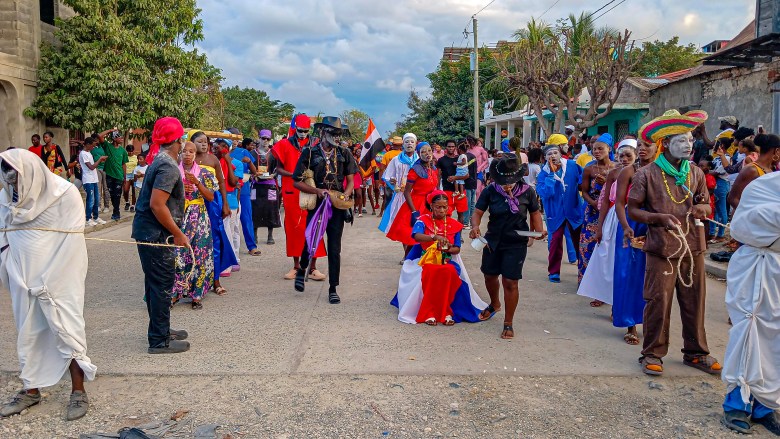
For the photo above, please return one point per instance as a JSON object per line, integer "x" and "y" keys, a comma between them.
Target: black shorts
{"x": 505, "y": 262}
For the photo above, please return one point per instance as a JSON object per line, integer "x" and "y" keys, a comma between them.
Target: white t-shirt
{"x": 87, "y": 175}
{"x": 140, "y": 170}
{"x": 533, "y": 172}
{"x": 463, "y": 158}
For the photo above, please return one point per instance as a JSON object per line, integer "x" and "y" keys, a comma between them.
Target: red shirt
{"x": 224, "y": 165}
{"x": 37, "y": 150}
{"x": 287, "y": 155}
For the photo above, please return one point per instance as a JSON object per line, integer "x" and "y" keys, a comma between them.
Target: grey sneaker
{"x": 78, "y": 406}
{"x": 178, "y": 334}
{"x": 172, "y": 347}
{"x": 19, "y": 403}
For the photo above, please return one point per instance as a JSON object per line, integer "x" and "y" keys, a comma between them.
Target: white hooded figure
{"x": 43, "y": 264}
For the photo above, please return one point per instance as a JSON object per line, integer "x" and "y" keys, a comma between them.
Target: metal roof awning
{"x": 759, "y": 50}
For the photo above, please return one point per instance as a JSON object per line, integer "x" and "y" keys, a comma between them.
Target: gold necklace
{"x": 669, "y": 191}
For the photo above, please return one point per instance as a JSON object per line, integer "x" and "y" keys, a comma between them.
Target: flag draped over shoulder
{"x": 372, "y": 146}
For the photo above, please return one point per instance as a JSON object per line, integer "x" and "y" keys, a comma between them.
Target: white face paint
{"x": 553, "y": 156}
{"x": 681, "y": 146}
{"x": 10, "y": 177}
{"x": 332, "y": 138}
{"x": 410, "y": 143}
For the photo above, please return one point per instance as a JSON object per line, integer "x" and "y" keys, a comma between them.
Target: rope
{"x": 719, "y": 224}
{"x": 81, "y": 232}
{"x": 680, "y": 253}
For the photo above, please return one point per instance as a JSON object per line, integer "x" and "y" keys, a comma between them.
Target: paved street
{"x": 269, "y": 362}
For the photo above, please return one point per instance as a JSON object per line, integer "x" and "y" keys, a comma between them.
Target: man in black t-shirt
{"x": 447, "y": 168}
{"x": 330, "y": 165}
{"x": 158, "y": 218}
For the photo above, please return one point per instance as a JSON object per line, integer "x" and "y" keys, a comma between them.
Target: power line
{"x": 599, "y": 9}
{"x": 608, "y": 10}
{"x": 486, "y": 6}
{"x": 548, "y": 9}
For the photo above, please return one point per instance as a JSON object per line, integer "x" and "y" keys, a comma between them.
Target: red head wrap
{"x": 166, "y": 130}
{"x": 434, "y": 194}
{"x": 303, "y": 121}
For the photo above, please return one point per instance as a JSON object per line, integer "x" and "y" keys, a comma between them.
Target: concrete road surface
{"x": 277, "y": 363}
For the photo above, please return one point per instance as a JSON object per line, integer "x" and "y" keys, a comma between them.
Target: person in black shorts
{"x": 510, "y": 201}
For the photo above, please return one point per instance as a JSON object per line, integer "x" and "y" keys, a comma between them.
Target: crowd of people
{"x": 650, "y": 202}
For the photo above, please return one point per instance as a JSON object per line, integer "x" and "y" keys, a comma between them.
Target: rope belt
{"x": 81, "y": 232}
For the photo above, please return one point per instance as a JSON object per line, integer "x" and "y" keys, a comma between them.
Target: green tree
{"x": 448, "y": 112}
{"x": 123, "y": 63}
{"x": 660, "y": 57}
{"x": 357, "y": 121}
{"x": 252, "y": 110}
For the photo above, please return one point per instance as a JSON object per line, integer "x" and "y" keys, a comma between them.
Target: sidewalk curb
{"x": 717, "y": 269}
{"x": 108, "y": 224}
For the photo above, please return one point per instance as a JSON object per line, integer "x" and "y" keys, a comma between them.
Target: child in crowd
{"x": 461, "y": 171}
{"x": 128, "y": 187}
{"x": 138, "y": 176}
{"x": 706, "y": 165}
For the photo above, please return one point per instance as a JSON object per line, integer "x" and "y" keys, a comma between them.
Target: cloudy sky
{"x": 328, "y": 56}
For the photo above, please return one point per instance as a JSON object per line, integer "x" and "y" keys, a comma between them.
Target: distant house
{"x": 627, "y": 115}
{"x": 24, "y": 24}
{"x": 733, "y": 86}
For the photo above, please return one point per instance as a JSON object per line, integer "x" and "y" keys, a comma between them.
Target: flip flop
{"x": 737, "y": 421}
{"x": 489, "y": 309}
{"x": 507, "y": 328}
{"x": 596, "y": 303}
{"x": 652, "y": 366}
{"x": 704, "y": 363}
{"x": 631, "y": 339}
{"x": 255, "y": 252}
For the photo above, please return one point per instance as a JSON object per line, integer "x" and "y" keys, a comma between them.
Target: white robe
{"x": 752, "y": 359}
{"x": 44, "y": 271}
{"x": 597, "y": 282}
{"x": 395, "y": 170}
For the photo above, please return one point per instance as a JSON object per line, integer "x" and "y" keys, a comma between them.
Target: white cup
{"x": 479, "y": 243}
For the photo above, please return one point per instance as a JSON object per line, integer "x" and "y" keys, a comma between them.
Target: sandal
{"x": 507, "y": 328}
{"x": 197, "y": 305}
{"x": 737, "y": 421}
{"x": 448, "y": 321}
{"x": 596, "y": 303}
{"x": 431, "y": 322}
{"x": 300, "y": 281}
{"x": 652, "y": 366}
{"x": 492, "y": 311}
{"x": 220, "y": 291}
{"x": 631, "y": 339}
{"x": 255, "y": 252}
{"x": 704, "y": 363}
{"x": 333, "y": 297}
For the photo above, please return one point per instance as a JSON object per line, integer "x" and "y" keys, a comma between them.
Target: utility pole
{"x": 476, "y": 79}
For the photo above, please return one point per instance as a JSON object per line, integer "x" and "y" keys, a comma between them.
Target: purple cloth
{"x": 315, "y": 230}
{"x": 514, "y": 205}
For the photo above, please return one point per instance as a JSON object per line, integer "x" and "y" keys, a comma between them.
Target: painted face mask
{"x": 554, "y": 156}
{"x": 410, "y": 144}
{"x": 681, "y": 146}
{"x": 331, "y": 137}
{"x": 302, "y": 133}
{"x": 10, "y": 177}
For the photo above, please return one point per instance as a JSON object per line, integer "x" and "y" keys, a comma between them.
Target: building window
{"x": 621, "y": 129}
{"x": 602, "y": 129}
{"x": 47, "y": 11}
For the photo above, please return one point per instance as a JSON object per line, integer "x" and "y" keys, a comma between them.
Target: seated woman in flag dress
{"x": 434, "y": 286}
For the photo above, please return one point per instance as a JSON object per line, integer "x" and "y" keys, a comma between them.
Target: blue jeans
{"x": 471, "y": 195}
{"x": 721, "y": 207}
{"x": 93, "y": 199}
{"x": 733, "y": 402}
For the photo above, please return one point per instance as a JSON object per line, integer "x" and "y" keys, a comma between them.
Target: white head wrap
{"x": 412, "y": 135}
{"x": 627, "y": 142}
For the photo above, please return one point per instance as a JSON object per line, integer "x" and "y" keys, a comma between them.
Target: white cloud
{"x": 327, "y": 55}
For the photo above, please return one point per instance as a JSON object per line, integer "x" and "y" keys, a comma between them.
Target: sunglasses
{"x": 268, "y": 138}
{"x": 302, "y": 131}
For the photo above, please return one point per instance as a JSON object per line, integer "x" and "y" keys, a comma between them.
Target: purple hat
{"x": 266, "y": 133}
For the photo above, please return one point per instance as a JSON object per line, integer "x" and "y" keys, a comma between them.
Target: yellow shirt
{"x": 389, "y": 155}
{"x": 132, "y": 162}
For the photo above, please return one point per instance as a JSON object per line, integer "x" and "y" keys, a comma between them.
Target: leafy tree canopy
{"x": 252, "y": 110}
{"x": 661, "y": 57}
{"x": 357, "y": 121}
{"x": 124, "y": 63}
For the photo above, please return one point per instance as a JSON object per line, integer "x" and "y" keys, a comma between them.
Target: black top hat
{"x": 330, "y": 122}
{"x": 506, "y": 170}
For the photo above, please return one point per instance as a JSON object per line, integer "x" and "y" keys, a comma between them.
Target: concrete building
{"x": 737, "y": 88}
{"x": 24, "y": 24}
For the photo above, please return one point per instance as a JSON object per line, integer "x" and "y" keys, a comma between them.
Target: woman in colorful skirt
{"x": 628, "y": 302}
{"x": 194, "y": 277}
{"x": 597, "y": 282}
{"x": 593, "y": 178}
{"x": 434, "y": 286}
{"x": 423, "y": 178}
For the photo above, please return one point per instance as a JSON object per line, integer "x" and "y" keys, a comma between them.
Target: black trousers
{"x": 115, "y": 191}
{"x": 159, "y": 266}
{"x": 333, "y": 232}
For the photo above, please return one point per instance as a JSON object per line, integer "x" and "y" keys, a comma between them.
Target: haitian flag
{"x": 372, "y": 146}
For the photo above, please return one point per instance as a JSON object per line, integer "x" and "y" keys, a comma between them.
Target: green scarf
{"x": 681, "y": 175}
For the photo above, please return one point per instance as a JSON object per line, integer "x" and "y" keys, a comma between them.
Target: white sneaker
{"x": 100, "y": 221}
{"x": 90, "y": 223}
